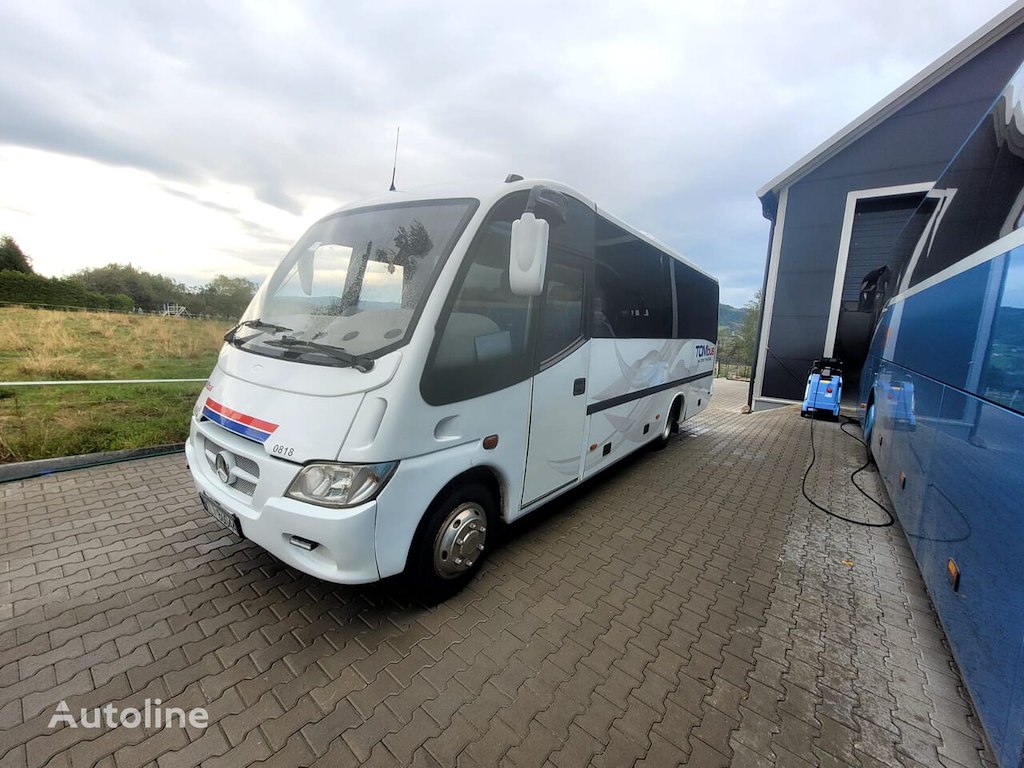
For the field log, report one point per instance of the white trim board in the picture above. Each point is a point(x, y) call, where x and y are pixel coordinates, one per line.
point(852, 198)
point(768, 300)
point(771, 403)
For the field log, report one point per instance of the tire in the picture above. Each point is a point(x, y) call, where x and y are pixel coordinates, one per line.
point(444, 558)
point(671, 425)
point(869, 426)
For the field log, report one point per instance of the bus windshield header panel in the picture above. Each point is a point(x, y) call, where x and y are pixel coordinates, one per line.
point(354, 284)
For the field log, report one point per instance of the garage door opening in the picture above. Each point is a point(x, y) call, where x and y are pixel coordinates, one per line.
point(872, 269)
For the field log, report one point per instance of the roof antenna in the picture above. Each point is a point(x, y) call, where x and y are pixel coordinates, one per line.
point(394, 168)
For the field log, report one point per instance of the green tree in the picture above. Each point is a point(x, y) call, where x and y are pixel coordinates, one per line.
point(146, 290)
point(746, 334)
point(30, 288)
point(223, 296)
point(12, 257)
point(120, 302)
point(726, 345)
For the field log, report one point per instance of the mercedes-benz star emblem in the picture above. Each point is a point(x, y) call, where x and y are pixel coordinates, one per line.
point(224, 464)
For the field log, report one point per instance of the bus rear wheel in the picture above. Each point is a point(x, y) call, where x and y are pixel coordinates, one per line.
point(671, 425)
point(451, 543)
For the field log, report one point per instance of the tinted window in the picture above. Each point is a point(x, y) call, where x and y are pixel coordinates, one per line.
point(633, 295)
point(1003, 372)
point(483, 342)
point(561, 323)
point(983, 188)
point(910, 238)
point(938, 327)
point(576, 235)
point(696, 304)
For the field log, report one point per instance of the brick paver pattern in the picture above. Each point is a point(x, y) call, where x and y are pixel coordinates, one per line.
point(686, 607)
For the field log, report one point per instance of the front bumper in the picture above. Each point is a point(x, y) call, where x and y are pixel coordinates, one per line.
point(345, 537)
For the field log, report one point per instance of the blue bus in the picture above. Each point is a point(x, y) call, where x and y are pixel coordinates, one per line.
point(942, 407)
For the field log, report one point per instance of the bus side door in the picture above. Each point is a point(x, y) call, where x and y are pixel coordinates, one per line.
point(559, 409)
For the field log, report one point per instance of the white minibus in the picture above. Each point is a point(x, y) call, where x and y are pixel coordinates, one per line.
point(427, 365)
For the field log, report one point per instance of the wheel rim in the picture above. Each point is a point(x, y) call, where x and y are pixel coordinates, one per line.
point(460, 541)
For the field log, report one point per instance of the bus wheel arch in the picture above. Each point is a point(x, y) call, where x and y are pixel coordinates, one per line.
point(673, 418)
point(454, 536)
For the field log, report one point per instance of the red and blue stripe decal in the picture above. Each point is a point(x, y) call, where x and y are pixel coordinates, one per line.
point(238, 422)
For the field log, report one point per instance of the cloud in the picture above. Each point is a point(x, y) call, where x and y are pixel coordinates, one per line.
point(670, 115)
point(195, 198)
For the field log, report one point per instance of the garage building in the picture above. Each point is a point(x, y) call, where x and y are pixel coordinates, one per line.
point(836, 214)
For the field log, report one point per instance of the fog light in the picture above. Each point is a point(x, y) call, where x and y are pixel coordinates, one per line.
point(302, 543)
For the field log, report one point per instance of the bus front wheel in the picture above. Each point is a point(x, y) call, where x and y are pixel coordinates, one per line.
point(451, 543)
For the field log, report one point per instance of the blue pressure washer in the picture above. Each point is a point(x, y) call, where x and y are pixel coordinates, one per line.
point(824, 391)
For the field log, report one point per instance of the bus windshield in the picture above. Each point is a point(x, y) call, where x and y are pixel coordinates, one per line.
point(352, 284)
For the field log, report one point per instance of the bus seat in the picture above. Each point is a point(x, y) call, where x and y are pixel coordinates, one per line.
point(458, 347)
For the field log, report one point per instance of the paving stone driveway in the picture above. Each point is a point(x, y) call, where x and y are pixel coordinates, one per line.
point(688, 606)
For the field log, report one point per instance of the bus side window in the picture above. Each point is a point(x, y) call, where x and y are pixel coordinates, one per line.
point(483, 342)
point(1004, 357)
point(561, 324)
point(632, 296)
point(696, 304)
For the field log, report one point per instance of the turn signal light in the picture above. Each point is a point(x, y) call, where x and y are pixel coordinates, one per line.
point(953, 574)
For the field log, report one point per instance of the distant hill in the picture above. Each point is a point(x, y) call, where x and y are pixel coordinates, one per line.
point(730, 316)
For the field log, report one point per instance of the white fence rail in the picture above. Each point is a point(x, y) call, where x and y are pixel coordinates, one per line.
point(95, 381)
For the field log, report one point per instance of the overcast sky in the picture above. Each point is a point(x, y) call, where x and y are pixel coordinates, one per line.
point(192, 140)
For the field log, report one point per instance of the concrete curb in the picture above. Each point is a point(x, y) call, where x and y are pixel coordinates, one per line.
point(25, 469)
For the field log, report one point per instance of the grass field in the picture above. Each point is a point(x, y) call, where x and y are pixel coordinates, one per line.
point(62, 420)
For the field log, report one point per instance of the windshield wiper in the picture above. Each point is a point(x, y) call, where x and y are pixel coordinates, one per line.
point(361, 363)
point(258, 324)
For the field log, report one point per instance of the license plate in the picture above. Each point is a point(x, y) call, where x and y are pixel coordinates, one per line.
point(221, 515)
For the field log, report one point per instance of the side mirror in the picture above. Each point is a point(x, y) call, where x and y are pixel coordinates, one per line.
point(529, 255)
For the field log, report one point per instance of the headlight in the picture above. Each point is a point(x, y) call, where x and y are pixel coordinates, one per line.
point(340, 485)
